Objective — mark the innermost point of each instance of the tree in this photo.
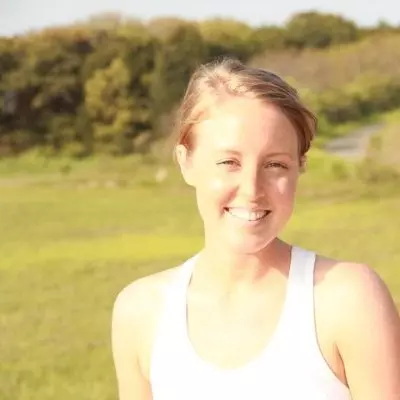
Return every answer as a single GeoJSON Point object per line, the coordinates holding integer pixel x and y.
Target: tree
{"type": "Point", "coordinates": [225, 37]}
{"type": "Point", "coordinates": [46, 84]}
{"type": "Point", "coordinates": [318, 30]}
{"type": "Point", "coordinates": [110, 107]}
{"type": "Point", "coordinates": [9, 61]}
{"type": "Point", "coordinates": [162, 27]}
{"type": "Point", "coordinates": [177, 57]}
{"type": "Point", "coordinates": [268, 38]}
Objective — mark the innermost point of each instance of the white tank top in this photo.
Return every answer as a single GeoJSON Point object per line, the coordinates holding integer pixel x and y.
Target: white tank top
{"type": "Point", "coordinates": [290, 367]}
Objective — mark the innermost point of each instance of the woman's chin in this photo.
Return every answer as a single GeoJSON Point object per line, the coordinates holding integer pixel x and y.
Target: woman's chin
{"type": "Point", "coordinates": [247, 246]}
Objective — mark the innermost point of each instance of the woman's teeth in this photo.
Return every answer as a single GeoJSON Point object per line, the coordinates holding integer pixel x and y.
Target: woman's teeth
{"type": "Point", "coordinates": [247, 215]}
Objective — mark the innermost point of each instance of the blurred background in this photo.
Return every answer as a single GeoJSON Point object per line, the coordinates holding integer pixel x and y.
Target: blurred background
{"type": "Point", "coordinates": [90, 198]}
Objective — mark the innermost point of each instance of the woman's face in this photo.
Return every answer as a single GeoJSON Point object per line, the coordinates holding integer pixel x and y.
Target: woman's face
{"type": "Point", "coordinates": [244, 168]}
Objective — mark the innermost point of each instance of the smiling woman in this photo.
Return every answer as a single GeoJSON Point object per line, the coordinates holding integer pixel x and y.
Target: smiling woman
{"type": "Point", "coordinates": [246, 161]}
{"type": "Point", "coordinates": [251, 316]}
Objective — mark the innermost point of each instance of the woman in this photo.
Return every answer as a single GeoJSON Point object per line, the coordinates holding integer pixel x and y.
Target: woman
{"type": "Point", "coordinates": [250, 316]}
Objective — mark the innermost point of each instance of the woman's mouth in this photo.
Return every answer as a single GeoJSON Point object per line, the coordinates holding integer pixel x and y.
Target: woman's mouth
{"type": "Point", "coordinates": [247, 215]}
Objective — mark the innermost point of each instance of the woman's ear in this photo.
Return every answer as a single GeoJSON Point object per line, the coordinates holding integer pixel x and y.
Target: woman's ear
{"type": "Point", "coordinates": [185, 162]}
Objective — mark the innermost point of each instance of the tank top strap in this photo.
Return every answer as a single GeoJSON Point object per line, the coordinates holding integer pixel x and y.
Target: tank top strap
{"type": "Point", "coordinates": [168, 331]}
{"type": "Point", "coordinates": [175, 297]}
{"type": "Point", "coordinates": [301, 275]}
{"type": "Point", "coordinates": [299, 302]}
{"type": "Point", "coordinates": [299, 307]}
{"type": "Point", "coordinates": [178, 287]}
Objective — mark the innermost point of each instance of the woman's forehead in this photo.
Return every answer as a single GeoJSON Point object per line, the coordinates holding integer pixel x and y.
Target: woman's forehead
{"type": "Point", "coordinates": [245, 125]}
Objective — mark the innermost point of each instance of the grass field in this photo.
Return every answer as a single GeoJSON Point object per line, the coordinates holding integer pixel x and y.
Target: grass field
{"type": "Point", "coordinates": [73, 234]}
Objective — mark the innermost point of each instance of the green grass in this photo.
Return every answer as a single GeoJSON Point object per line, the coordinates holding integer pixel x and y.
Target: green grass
{"type": "Point", "coordinates": [70, 240]}
{"type": "Point", "coordinates": [384, 148]}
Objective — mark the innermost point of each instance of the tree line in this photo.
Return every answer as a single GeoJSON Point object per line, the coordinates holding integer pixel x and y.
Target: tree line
{"type": "Point", "coordinates": [110, 84]}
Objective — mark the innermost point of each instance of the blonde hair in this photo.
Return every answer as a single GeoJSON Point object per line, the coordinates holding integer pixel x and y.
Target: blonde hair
{"type": "Point", "coordinates": [227, 77]}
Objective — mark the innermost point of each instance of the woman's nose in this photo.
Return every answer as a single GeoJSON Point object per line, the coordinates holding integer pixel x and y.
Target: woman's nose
{"type": "Point", "coordinates": [251, 185]}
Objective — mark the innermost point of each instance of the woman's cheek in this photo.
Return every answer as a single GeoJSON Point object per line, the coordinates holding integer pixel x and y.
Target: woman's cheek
{"type": "Point", "coordinates": [216, 184]}
{"type": "Point", "coordinates": [286, 186]}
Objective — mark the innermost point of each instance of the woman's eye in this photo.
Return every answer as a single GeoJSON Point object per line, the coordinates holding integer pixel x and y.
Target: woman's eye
{"type": "Point", "coordinates": [228, 162]}
{"type": "Point", "coordinates": [276, 165]}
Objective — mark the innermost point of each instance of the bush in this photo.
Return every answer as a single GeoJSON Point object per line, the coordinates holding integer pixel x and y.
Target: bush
{"type": "Point", "coordinates": [319, 30]}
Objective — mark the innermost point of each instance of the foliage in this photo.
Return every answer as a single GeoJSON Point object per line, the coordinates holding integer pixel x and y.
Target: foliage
{"type": "Point", "coordinates": [60, 88]}
{"type": "Point", "coordinates": [345, 83]}
{"type": "Point", "coordinates": [226, 37]}
{"type": "Point", "coordinates": [268, 38]}
{"type": "Point", "coordinates": [109, 105]}
{"type": "Point", "coordinates": [182, 50]}
{"type": "Point", "coordinates": [319, 30]}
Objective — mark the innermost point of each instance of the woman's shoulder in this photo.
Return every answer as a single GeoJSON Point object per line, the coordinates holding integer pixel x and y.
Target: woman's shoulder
{"type": "Point", "coordinates": [135, 313]}
{"type": "Point", "coordinates": [355, 295]}
{"type": "Point", "coordinates": [348, 278]}
{"type": "Point", "coordinates": [357, 306]}
{"type": "Point", "coordinates": [144, 295]}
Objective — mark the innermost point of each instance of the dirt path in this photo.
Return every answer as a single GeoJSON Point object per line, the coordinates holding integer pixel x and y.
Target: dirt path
{"type": "Point", "coordinates": [354, 145]}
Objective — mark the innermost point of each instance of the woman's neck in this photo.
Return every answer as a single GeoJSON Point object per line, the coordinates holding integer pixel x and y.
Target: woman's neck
{"type": "Point", "coordinates": [223, 271]}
